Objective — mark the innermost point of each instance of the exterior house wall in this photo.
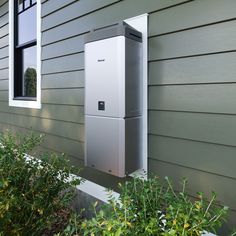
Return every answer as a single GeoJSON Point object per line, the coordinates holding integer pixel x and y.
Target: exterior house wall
{"type": "Point", "coordinates": [192, 86]}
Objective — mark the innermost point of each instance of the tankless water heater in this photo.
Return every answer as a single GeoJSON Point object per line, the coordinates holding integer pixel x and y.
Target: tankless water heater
{"type": "Point", "coordinates": [113, 104]}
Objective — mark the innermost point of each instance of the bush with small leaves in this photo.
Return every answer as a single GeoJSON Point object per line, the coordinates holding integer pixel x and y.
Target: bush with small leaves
{"type": "Point", "coordinates": [149, 208]}
{"type": "Point", "coordinates": [31, 190]}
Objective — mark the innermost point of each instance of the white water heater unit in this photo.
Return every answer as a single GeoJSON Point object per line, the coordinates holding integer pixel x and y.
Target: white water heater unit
{"type": "Point", "coordinates": [113, 99]}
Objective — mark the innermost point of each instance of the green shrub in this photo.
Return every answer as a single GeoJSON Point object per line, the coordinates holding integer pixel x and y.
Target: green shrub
{"type": "Point", "coordinates": [147, 207]}
{"type": "Point", "coordinates": [31, 190]}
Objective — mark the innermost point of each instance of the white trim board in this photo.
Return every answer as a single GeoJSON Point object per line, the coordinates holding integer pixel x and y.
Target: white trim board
{"type": "Point", "coordinates": [97, 191]}
{"type": "Point", "coordinates": [140, 23]}
{"type": "Point", "coordinates": [24, 103]}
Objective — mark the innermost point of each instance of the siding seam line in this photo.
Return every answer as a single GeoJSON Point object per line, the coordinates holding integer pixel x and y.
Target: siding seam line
{"type": "Point", "coordinates": [4, 46]}
{"type": "Point", "coordinates": [194, 27]}
{"type": "Point", "coordinates": [58, 72]}
{"type": "Point", "coordinates": [2, 58]}
{"type": "Point", "coordinates": [54, 150]}
{"type": "Point", "coordinates": [51, 134]}
{"type": "Point", "coordinates": [4, 25]}
{"type": "Point", "coordinates": [4, 35]}
{"type": "Point", "coordinates": [60, 40]}
{"type": "Point", "coordinates": [3, 14]}
{"type": "Point", "coordinates": [193, 140]}
{"type": "Point", "coordinates": [61, 72]}
{"type": "Point", "coordinates": [56, 104]}
{"type": "Point", "coordinates": [4, 3]}
{"type": "Point", "coordinates": [192, 84]}
{"type": "Point", "coordinates": [192, 168]}
{"type": "Point", "coordinates": [189, 56]}
{"type": "Point", "coordinates": [197, 112]}
{"type": "Point", "coordinates": [41, 117]}
{"type": "Point", "coordinates": [59, 104]}
{"type": "Point", "coordinates": [77, 17]}
{"type": "Point", "coordinates": [64, 55]}
{"type": "Point", "coordinates": [58, 9]}
{"type": "Point", "coordinates": [47, 89]}
{"type": "Point", "coordinates": [172, 6]}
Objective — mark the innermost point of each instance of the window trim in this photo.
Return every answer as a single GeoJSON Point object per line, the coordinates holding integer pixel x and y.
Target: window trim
{"type": "Point", "coordinates": [26, 103]}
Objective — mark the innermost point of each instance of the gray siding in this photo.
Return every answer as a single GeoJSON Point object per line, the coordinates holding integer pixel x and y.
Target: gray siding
{"type": "Point", "coordinates": [192, 86]}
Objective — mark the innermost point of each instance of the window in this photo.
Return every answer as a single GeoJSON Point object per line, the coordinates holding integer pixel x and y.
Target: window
{"type": "Point", "coordinates": [24, 53]}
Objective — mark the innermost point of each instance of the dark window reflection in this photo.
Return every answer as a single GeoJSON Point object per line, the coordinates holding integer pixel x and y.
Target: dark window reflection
{"type": "Point", "coordinates": [27, 25]}
{"type": "Point", "coordinates": [20, 5]}
{"type": "Point", "coordinates": [29, 72]}
{"type": "Point", "coordinates": [25, 73]}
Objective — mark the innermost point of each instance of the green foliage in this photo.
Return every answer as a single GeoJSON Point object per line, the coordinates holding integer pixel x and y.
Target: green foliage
{"type": "Point", "coordinates": [233, 233]}
{"type": "Point", "coordinates": [31, 190]}
{"type": "Point", "coordinates": [147, 207]}
{"type": "Point", "coordinates": [30, 78]}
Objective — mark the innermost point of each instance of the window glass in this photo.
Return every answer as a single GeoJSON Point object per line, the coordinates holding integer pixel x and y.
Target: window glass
{"type": "Point", "coordinates": [27, 3]}
{"type": "Point", "coordinates": [29, 71]}
{"type": "Point", "coordinates": [27, 25]}
{"type": "Point", "coordinates": [20, 5]}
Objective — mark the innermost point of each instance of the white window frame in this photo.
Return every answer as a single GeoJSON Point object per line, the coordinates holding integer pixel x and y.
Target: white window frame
{"type": "Point", "coordinates": [12, 101]}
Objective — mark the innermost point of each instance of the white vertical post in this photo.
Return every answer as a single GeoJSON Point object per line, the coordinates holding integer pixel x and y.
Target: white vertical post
{"type": "Point", "coordinates": [140, 23]}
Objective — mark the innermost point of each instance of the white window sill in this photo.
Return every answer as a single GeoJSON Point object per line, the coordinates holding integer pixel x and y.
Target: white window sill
{"type": "Point", "coordinates": [25, 104]}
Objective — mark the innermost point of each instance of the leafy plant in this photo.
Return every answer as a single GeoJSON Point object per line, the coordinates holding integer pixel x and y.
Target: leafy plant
{"type": "Point", "coordinates": [233, 233]}
{"type": "Point", "coordinates": [31, 190]}
{"type": "Point", "coordinates": [147, 207]}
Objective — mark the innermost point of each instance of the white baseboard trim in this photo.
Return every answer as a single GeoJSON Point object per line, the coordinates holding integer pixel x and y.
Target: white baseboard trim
{"type": "Point", "coordinates": [97, 191]}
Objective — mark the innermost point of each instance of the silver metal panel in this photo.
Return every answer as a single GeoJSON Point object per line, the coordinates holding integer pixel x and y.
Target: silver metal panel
{"type": "Point", "coordinates": [113, 145]}
{"type": "Point", "coordinates": [105, 75]}
{"type": "Point", "coordinates": [113, 105]}
{"type": "Point", "coordinates": [133, 78]}
{"type": "Point", "coordinates": [113, 75]}
{"type": "Point", "coordinates": [133, 144]}
{"type": "Point", "coordinates": [105, 144]}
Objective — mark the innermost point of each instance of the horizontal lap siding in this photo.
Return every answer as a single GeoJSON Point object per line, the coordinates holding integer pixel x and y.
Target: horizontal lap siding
{"type": "Point", "coordinates": [198, 181]}
{"type": "Point", "coordinates": [3, 84]}
{"type": "Point", "coordinates": [69, 79]}
{"type": "Point", "coordinates": [3, 63]}
{"type": "Point", "coordinates": [73, 131]}
{"type": "Point", "coordinates": [62, 64]}
{"type": "Point", "coordinates": [193, 14]}
{"type": "Point", "coordinates": [48, 111]}
{"type": "Point", "coordinates": [4, 42]}
{"type": "Point", "coordinates": [192, 87]}
{"type": "Point", "coordinates": [194, 70]}
{"type": "Point", "coordinates": [52, 6]}
{"type": "Point", "coordinates": [4, 74]}
{"type": "Point", "coordinates": [211, 128]}
{"type": "Point", "coordinates": [4, 20]}
{"type": "Point", "coordinates": [64, 26]}
{"type": "Point", "coordinates": [104, 16]}
{"type": "Point", "coordinates": [194, 154]}
{"type": "Point", "coordinates": [73, 10]}
{"type": "Point", "coordinates": [51, 143]}
{"type": "Point", "coordinates": [4, 30]}
{"type": "Point", "coordinates": [209, 98]}
{"type": "Point", "coordinates": [204, 40]}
